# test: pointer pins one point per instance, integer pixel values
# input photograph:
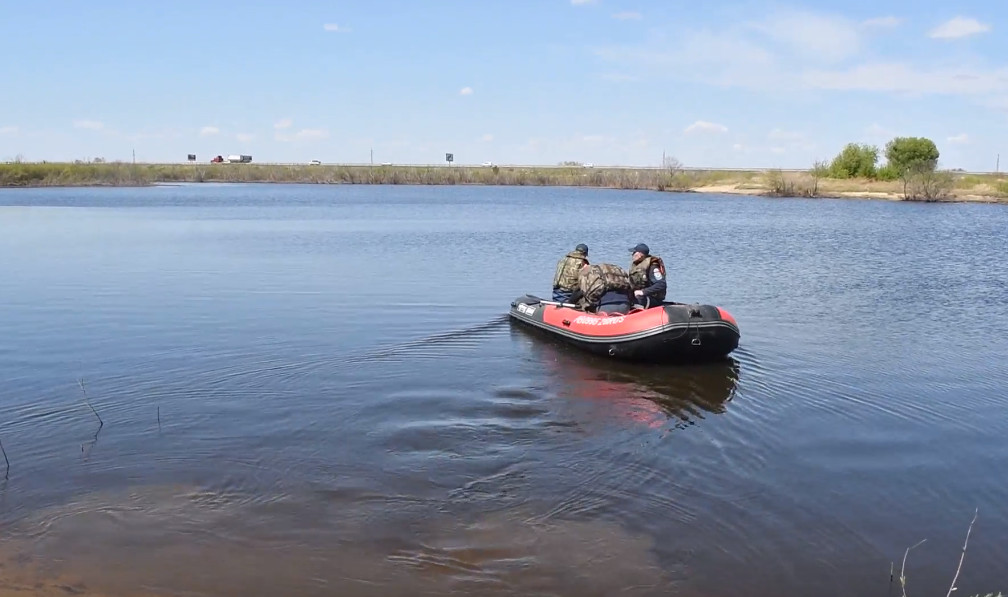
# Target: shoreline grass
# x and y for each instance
(772, 183)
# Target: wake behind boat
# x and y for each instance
(667, 333)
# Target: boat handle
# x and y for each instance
(566, 322)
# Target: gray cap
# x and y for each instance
(641, 248)
(582, 248)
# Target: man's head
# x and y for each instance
(640, 252)
(582, 248)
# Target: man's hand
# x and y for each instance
(638, 293)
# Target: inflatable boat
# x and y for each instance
(666, 333)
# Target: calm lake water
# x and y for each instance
(315, 390)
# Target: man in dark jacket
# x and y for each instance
(647, 276)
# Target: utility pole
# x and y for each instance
(134, 156)
(997, 167)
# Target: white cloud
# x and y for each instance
(959, 27)
(627, 16)
(959, 139)
(769, 53)
(395, 143)
(244, 137)
(466, 91)
(883, 22)
(812, 36)
(877, 131)
(148, 133)
(312, 134)
(730, 59)
(903, 78)
(88, 124)
(282, 133)
(335, 27)
(782, 135)
(714, 57)
(618, 77)
(999, 103)
(8, 130)
(487, 137)
(209, 130)
(762, 150)
(786, 54)
(702, 126)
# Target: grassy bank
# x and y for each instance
(56, 174)
(961, 187)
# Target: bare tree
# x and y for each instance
(820, 168)
(921, 182)
(672, 165)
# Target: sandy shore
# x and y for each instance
(729, 189)
(957, 196)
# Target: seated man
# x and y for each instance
(647, 277)
(565, 280)
(604, 287)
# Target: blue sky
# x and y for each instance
(612, 82)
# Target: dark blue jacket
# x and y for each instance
(562, 296)
(614, 297)
(656, 285)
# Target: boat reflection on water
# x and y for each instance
(650, 394)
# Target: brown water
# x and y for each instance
(314, 390)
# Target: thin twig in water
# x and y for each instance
(100, 422)
(7, 473)
(963, 555)
(903, 568)
(159, 417)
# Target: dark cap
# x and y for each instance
(582, 248)
(641, 247)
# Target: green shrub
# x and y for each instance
(855, 161)
(888, 172)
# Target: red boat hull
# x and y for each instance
(671, 332)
